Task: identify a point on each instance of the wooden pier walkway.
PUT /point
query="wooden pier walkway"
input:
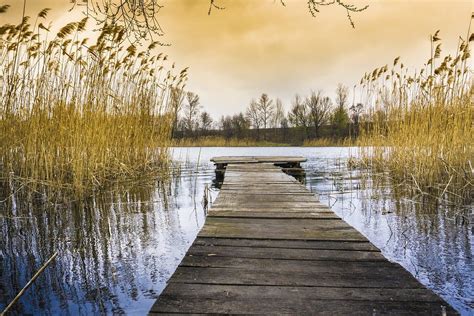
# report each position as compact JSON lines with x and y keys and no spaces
{"x":269,"y":247}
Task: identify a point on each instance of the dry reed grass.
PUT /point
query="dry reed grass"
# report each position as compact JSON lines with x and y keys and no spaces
{"x":217,"y":141}
{"x":77,"y":116}
{"x":420,"y":129}
{"x":328,"y":142}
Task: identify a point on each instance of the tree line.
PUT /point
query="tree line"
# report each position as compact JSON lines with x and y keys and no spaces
{"x":309,"y":117}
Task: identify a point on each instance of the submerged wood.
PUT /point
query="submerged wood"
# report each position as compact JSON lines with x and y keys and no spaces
{"x":269,"y":246}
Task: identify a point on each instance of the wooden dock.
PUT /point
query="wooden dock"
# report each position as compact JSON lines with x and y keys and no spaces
{"x":289,"y":164}
{"x":269,"y":247}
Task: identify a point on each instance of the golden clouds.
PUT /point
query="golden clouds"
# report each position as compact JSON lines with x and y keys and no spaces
{"x":256,"y":46}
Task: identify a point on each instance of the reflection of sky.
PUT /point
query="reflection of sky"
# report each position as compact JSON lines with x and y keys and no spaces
{"x":116,"y":254}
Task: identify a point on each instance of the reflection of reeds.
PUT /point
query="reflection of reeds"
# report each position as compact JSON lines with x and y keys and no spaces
{"x":78,"y":116}
{"x":420,"y":129}
{"x":97,"y":239}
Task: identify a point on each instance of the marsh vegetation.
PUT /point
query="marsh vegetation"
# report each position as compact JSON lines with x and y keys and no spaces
{"x":77,"y":116}
{"x":419,"y":131}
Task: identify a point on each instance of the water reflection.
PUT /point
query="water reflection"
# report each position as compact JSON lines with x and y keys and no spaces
{"x":425,"y":238}
{"x":117,"y":250}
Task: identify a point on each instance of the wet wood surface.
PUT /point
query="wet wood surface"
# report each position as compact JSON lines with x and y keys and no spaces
{"x":269,"y":247}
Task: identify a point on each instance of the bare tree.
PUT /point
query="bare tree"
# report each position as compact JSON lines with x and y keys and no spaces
{"x":342,"y":95}
{"x":279,"y":115}
{"x":319,"y":110}
{"x":265,"y":110}
{"x":176,"y":102}
{"x":298,"y":115}
{"x":140,"y":18}
{"x":253,"y":116}
{"x":190,"y":112}
{"x":205,"y":121}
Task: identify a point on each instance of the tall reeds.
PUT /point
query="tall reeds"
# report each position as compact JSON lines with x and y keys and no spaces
{"x":75,"y":115}
{"x":419,"y":129}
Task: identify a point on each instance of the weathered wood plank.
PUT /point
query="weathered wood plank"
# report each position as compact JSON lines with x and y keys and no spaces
{"x":257,"y":204}
{"x":304,"y":277}
{"x":302,"y":229}
{"x":308,"y":210}
{"x":256,"y":198}
{"x":280,"y":215}
{"x":232,"y":299}
{"x":288,"y":253}
{"x":256,"y":159}
{"x":293,"y":244}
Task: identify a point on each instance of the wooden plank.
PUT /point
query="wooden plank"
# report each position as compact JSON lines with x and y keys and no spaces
{"x":257,"y":204}
{"x":307,"y":274}
{"x":303,"y":229}
{"x":293,"y":244}
{"x":240,"y":232}
{"x":232,"y":299}
{"x":255,"y":198}
{"x":257,"y":159}
{"x":288,"y":253}
{"x":269,"y":191}
{"x":263,"y":209}
{"x":280,"y":215}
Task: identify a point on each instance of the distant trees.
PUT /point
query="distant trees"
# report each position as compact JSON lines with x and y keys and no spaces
{"x":234,"y":126}
{"x":319,"y":110}
{"x":314,"y":111}
{"x":225,"y":125}
{"x":298,"y":115}
{"x":239,"y":125}
{"x":311,"y":116}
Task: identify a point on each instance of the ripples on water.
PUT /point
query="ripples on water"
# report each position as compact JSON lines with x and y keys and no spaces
{"x":117,"y":251}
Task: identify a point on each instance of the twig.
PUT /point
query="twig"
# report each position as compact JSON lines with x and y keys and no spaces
{"x":30,"y":282}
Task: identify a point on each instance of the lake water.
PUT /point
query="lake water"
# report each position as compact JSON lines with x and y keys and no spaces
{"x":116,"y":251}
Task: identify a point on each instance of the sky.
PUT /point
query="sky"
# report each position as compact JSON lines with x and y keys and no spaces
{"x":259,"y":46}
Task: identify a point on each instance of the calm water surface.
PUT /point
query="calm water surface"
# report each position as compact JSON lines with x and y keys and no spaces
{"x":116,"y":251}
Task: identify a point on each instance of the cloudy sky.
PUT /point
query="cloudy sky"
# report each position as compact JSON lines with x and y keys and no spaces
{"x":256,"y":46}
